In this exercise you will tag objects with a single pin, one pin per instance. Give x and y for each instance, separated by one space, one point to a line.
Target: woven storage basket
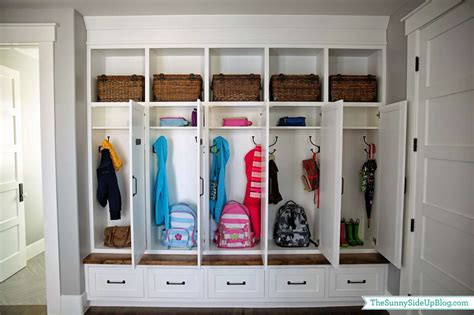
120 88
236 87
176 87
296 88
353 88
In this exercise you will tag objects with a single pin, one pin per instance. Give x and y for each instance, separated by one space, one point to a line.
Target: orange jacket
113 155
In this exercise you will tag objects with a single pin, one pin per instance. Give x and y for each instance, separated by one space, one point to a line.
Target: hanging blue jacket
162 207
218 197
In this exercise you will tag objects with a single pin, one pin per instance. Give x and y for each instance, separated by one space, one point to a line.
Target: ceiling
183 7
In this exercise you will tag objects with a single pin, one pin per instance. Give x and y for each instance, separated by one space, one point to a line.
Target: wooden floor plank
108 259
168 260
232 260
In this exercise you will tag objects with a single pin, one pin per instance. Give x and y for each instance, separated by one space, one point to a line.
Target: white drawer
174 283
296 283
236 283
114 281
356 281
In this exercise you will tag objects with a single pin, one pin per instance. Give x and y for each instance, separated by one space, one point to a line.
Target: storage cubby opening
240 143
298 61
115 62
291 149
237 61
353 200
101 216
358 62
110 117
361 117
180 111
182 173
255 114
176 61
313 119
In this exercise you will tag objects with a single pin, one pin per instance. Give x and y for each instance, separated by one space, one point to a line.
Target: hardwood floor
231 311
23 310
27 286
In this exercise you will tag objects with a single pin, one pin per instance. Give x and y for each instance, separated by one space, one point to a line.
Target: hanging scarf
162 207
217 194
253 193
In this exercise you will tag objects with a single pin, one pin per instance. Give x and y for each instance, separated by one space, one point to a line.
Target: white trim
74 304
44 34
34 249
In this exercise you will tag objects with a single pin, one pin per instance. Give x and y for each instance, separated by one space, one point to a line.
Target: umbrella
367 177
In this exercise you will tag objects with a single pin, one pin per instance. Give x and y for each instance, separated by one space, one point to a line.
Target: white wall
25 61
397 87
72 278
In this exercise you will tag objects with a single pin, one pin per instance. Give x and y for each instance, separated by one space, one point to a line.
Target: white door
391 180
12 213
331 180
137 181
443 261
200 188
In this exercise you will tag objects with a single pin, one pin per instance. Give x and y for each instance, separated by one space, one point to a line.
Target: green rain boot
356 232
350 233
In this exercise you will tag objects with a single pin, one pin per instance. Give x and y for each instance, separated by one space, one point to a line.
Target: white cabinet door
331 180
200 188
444 211
12 212
391 180
137 181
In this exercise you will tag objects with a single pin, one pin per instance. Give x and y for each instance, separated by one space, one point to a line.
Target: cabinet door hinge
405 186
409 294
20 192
415 144
417 63
412 225
374 240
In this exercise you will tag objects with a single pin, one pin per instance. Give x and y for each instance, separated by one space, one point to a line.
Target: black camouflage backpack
291 226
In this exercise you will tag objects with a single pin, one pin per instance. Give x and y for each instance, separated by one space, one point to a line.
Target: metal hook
276 140
273 152
365 141
253 140
317 146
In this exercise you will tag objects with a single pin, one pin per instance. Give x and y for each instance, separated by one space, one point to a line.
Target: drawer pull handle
176 283
297 283
236 283
355 282
115 282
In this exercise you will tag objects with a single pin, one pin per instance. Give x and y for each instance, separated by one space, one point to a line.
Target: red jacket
253 193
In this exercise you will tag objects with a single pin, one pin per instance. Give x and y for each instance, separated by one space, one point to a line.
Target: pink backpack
234 229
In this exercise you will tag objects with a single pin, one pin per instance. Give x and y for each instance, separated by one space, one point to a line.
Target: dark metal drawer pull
354 282
115 282
175 283
297 283
236 283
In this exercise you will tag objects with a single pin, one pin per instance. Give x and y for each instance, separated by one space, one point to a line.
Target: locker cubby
358 62
240 143
353 201
175 61
292 147
100 216
253 113
156 112
110 117
298 61
182 173
115 62
237 61
361 117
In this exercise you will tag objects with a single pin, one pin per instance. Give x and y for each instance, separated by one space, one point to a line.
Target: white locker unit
265 274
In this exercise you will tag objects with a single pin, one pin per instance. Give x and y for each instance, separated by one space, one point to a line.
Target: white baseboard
34 249
74 304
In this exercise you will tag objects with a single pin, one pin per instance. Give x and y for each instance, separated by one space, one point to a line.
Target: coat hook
253 140
365 141
273 152
317 146
276 140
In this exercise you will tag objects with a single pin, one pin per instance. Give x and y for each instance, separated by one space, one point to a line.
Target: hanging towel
115 158
274 196
217 195
107 186
253 194
162 215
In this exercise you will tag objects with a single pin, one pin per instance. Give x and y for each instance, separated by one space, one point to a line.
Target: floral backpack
182 232
234 229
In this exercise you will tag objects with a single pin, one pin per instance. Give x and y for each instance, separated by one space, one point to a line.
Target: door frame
44 35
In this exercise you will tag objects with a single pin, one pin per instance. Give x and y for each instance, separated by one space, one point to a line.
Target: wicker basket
296 88
236 87
120 88
176 87
353 88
